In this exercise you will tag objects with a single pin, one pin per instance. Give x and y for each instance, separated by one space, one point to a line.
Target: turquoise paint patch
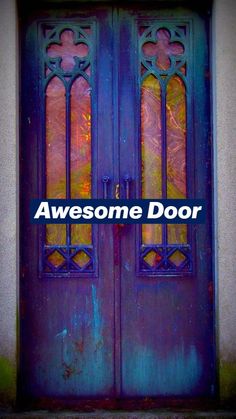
97 323
175 374
65 348
97 369
62 334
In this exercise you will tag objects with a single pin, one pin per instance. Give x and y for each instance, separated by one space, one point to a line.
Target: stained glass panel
81 258
151 151
163 77
176 151
55 153
67 75
81 153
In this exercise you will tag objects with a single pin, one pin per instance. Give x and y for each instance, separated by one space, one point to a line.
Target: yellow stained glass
176 151
151 151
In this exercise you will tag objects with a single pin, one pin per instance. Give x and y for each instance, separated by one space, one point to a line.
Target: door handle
105 181
127 181
117 191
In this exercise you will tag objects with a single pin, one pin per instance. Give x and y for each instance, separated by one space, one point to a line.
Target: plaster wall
224 114
8 198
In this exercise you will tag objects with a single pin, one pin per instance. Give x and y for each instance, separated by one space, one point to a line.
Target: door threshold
128 404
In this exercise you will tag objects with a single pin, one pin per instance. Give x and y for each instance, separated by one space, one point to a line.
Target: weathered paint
176 373
97 321
7 381
166 322
72 351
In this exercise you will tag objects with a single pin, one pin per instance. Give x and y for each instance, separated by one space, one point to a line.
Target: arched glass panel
176 151
151 148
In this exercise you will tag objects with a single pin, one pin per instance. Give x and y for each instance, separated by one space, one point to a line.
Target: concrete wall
8 198
224 101
224 112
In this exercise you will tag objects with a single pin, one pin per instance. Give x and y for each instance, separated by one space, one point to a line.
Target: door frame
133 403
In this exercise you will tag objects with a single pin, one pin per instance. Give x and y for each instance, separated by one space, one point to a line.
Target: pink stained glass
81 153
55 153
162 49
176 151
67 50
151 151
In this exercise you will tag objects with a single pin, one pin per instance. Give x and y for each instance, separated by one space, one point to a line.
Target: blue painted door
166 280
67 285
115 104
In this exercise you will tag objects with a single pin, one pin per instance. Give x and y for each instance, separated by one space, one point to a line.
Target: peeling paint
127 266
69 370
176 373
97 323
65 350
62 334
99 345
79 346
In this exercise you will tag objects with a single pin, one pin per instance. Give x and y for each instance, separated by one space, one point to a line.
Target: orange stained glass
151 151
176 151
81 153
55 153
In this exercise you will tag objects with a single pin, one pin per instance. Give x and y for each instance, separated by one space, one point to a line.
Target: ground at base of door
151 414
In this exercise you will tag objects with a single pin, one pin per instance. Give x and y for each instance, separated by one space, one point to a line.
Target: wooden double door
115 104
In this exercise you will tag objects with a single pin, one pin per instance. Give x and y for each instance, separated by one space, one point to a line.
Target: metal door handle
105 181
127 180
117 191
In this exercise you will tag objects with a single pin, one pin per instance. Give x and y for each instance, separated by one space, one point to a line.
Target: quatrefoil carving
162 49
68 50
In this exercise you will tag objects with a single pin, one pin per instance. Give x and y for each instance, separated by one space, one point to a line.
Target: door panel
67 288
166 275
118 107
